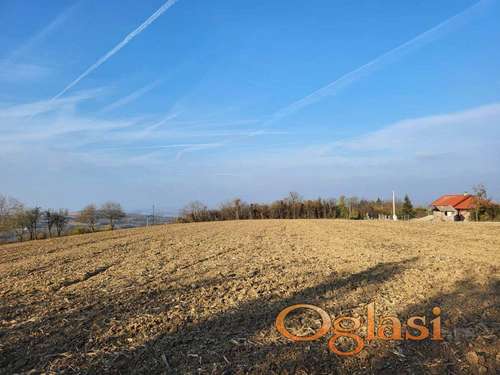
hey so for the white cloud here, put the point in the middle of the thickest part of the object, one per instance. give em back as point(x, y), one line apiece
point(438, 153)
point(44, 106)
point(440, 132)
point(21, 72)
point(58, 125)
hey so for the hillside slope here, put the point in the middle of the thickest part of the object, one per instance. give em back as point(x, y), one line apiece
point(203, 298)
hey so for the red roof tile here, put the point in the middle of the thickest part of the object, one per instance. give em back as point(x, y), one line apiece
point(467, 204)
point(461, 202)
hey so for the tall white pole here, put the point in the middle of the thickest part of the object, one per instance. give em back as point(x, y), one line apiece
point(394, 217)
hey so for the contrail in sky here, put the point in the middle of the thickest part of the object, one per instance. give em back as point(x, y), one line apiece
point(348, 78)
point(131, 97)
point(119, 46)
point(57, 22)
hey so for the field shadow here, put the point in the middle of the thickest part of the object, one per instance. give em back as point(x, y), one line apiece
point(43, 344)
point(222, 344)
point(225, 344)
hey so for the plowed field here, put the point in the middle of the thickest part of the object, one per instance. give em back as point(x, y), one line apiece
point(203, 298)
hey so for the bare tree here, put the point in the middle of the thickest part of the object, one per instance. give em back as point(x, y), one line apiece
point(8, 207)
point(18, 222)
point(195, 211)
point(295, 199)
point(60, 220)
point(481, 198)
point(89, 216)
point(237, 208)
point(113, 212)
point(32, 217)
point(21, 220)
point(49, 218)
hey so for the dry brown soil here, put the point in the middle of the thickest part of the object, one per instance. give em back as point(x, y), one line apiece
point(203, 298)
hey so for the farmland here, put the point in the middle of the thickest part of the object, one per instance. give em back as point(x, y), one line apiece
point(203, 297)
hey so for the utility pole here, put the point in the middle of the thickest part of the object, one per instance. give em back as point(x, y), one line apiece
point(394, 217)
point(153, 214)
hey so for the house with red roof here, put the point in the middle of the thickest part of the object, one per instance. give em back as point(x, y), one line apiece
point(455, 207)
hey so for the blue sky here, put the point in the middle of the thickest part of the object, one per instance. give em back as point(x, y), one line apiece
point(166, 102)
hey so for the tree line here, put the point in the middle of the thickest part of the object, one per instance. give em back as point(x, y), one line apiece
point(30, 223)
point(295, 207)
